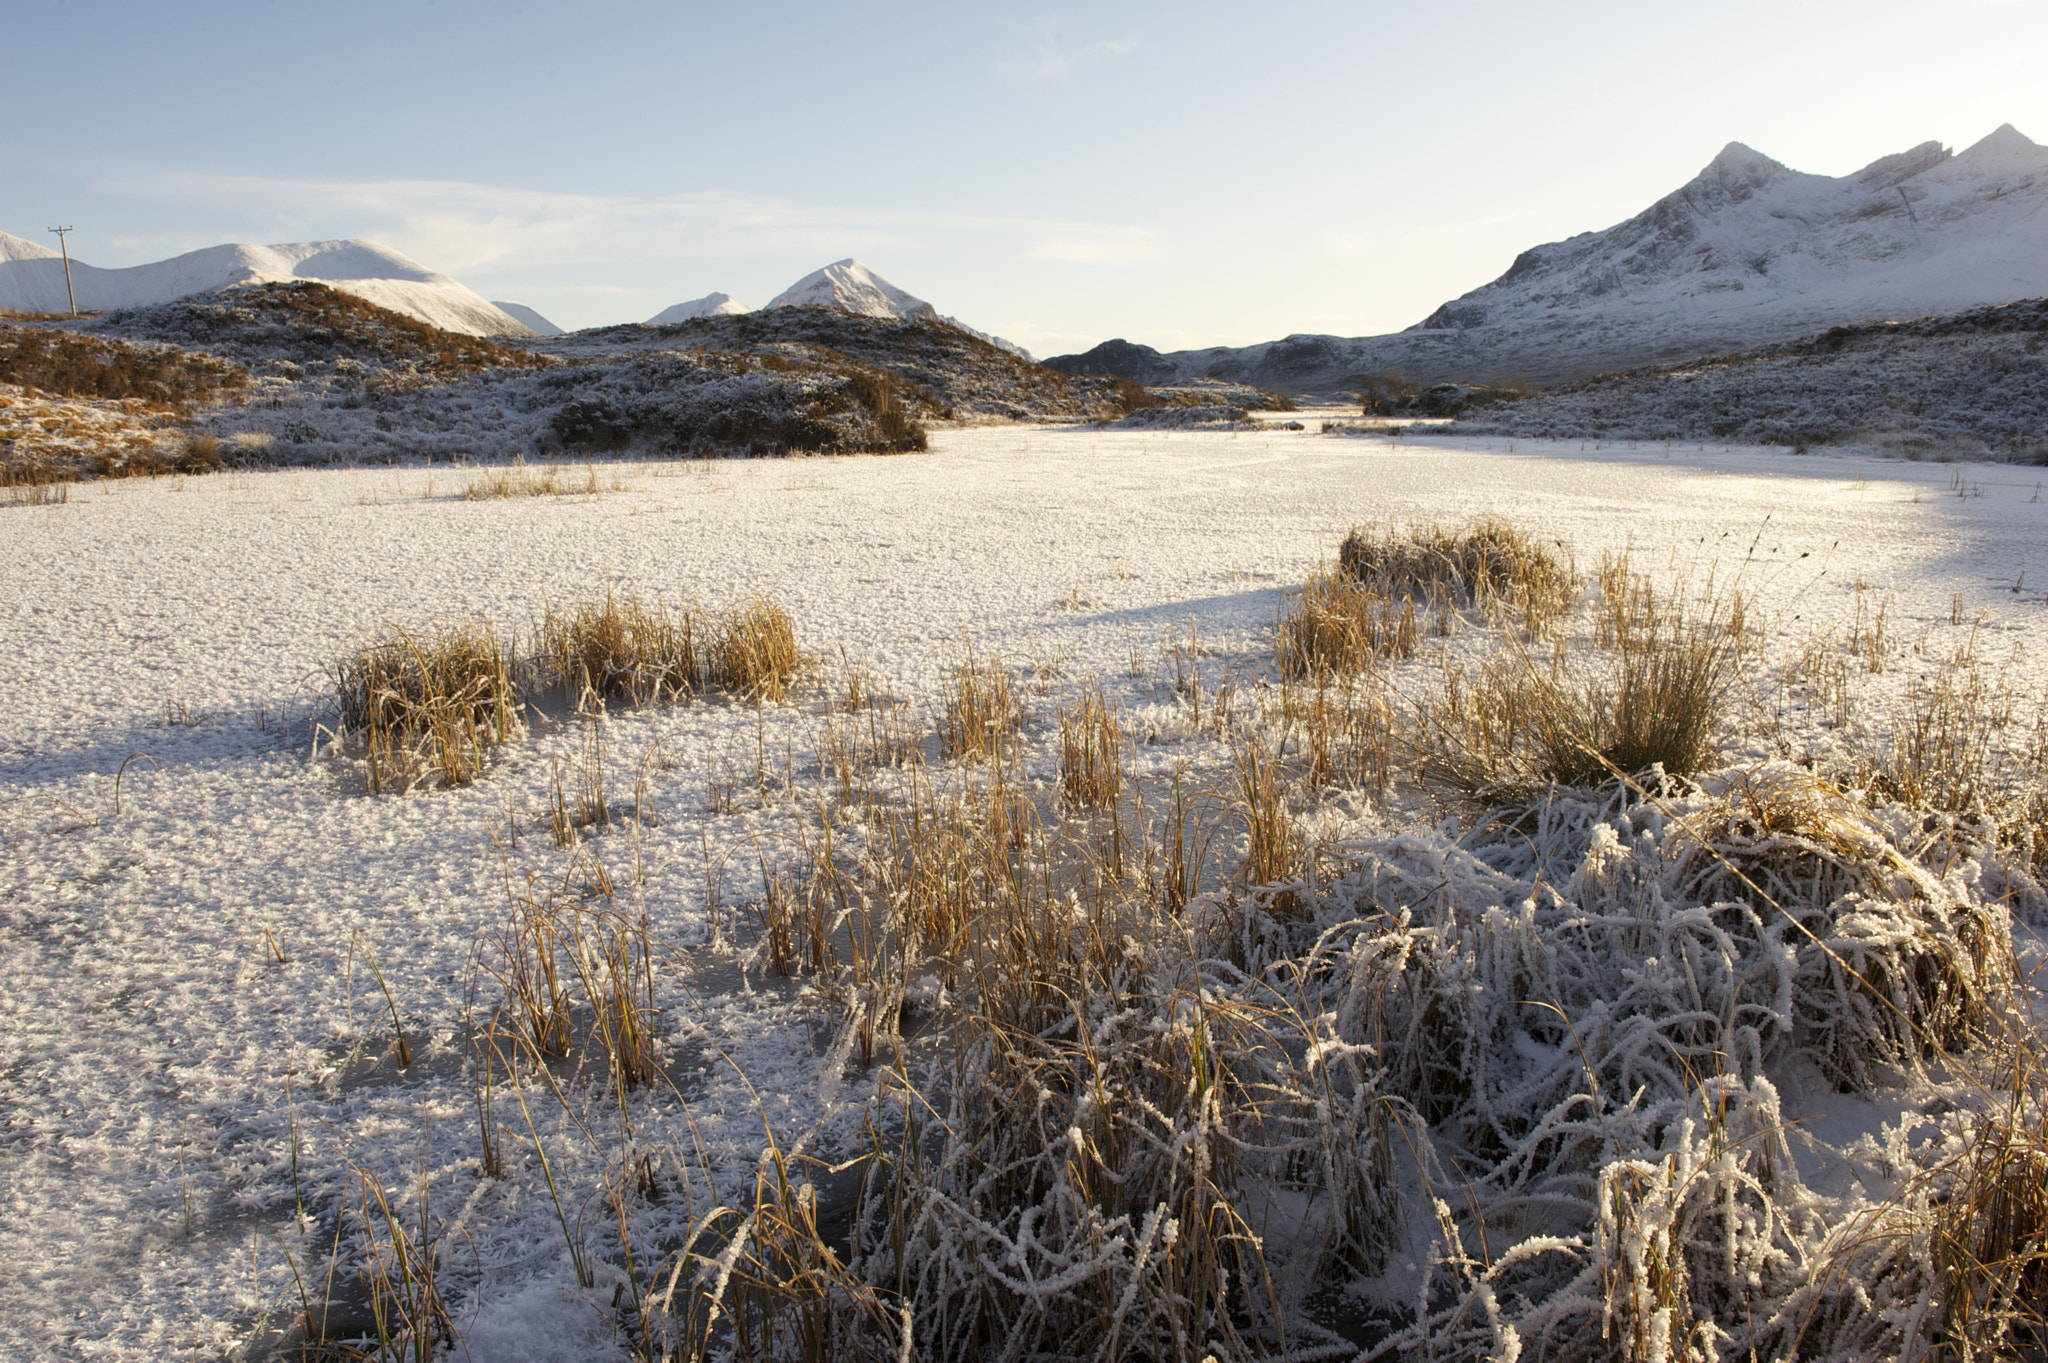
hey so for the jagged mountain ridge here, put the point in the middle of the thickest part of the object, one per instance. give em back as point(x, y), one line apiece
point(1747, 252)
point(32, 280)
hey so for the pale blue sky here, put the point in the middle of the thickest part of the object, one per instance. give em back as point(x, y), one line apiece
point(1175, 173)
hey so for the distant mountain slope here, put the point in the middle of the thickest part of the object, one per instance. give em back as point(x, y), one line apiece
point(710, 305)
point(526, 317)
point(1745, 253)
point(1973, 383)
point(32, 280)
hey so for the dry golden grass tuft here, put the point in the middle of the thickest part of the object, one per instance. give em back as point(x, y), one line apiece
point(1945, 752)
point(38, 494)
point(1274, 848)
point(517, 480)
point(1345, 728)
point(428, 706)
point(753, 650)
point(1489, 564)
point(981, 710)
point(619, 648)
point(1506, 728)
point(1091, 751)
point(1337, 623)
point(1990, 1234)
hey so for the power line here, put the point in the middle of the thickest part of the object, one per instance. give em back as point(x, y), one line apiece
point(60, 231)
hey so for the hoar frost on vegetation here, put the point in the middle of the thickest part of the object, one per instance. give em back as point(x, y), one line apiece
point(1653, 1072)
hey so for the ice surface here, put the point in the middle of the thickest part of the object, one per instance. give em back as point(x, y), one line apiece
point(147, 1034)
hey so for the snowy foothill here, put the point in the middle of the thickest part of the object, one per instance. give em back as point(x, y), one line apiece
point(710, 305)
point(214, 934)
point(34, 278)
point(527, 317)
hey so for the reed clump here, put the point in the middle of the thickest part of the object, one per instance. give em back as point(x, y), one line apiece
point(1091, 751)
point(1486, 564)
point(1345, 731)
point(753, 650)
point(621, 648)
point(428, 705)
point(981, 709)
point(1340, 623)
point(1990, 1234)
point(1512, 725)
point(518, 480)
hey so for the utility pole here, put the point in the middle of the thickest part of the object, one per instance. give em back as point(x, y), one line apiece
point(60, 231)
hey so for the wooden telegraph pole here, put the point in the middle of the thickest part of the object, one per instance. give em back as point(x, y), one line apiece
point(60, 231)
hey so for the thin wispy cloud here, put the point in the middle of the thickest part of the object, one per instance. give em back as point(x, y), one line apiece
point(1044, 47)
point(457, 226)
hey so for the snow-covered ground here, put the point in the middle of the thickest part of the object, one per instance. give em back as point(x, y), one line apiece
point(172, 827)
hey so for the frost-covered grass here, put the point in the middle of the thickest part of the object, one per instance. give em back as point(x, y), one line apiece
point(783, 989)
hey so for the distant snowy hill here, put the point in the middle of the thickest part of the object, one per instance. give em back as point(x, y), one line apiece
point(1746, 253)
point(527, 317)
point(1753, 244)
point(852, 287)
point(710, 305)
point(32, 280)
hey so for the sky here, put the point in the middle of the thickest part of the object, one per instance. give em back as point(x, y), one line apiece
point(1177, 174)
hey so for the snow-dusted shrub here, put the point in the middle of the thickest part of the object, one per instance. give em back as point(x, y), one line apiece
point(1971, 383)
point(1095, 1172)
point(307, 322)
point(715, 404)
point(1208, 416)
point(72, 365)
point(1594, 1014)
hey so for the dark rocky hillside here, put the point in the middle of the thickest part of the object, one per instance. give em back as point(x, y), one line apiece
point(1972, 383)
point(320, 376)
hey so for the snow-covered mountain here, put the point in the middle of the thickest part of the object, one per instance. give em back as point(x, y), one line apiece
point(32, 280)
point(1747, 252)
point(710, 305)
point(852, 287)
point(1756, 245)
point(531, 320)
